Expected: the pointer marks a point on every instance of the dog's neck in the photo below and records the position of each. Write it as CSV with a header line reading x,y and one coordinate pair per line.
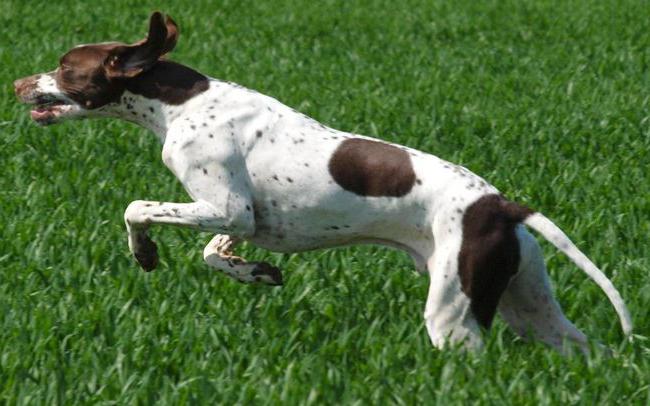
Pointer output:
x,y
159,96
151,114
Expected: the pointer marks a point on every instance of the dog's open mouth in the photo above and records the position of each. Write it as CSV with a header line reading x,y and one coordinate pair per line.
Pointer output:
x,y
47,110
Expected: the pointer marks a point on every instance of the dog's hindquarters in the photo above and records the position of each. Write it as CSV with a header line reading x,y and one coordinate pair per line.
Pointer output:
x,y
470,269
493,264
528,304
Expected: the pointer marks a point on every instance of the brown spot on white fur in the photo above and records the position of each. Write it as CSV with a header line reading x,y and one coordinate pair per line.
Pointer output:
x,y
489,254
371,168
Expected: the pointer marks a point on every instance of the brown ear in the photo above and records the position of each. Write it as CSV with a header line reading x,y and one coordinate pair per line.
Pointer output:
x,y
172,35
127,61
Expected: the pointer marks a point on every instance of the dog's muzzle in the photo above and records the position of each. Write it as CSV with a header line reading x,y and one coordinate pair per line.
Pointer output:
x,y
25,88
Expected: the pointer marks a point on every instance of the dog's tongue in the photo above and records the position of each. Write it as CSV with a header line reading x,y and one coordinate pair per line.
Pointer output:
x,y
40,115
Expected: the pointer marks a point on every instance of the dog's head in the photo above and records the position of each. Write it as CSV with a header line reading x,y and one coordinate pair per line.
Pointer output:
x,y
91,76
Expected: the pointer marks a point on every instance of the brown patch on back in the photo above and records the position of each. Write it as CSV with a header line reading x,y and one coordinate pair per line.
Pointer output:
x,y
371,168
489,254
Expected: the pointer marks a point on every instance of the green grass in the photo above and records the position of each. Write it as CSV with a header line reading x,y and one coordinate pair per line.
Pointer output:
x,y
547,100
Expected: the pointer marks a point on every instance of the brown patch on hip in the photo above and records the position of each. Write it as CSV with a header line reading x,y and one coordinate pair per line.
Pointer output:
x,y
371,168
489,255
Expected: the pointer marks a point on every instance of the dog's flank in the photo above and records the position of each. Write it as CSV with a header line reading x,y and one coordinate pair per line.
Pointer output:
x,y
259,171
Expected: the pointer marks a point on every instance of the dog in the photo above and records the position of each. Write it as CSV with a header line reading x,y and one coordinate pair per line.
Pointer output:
x,y
262,172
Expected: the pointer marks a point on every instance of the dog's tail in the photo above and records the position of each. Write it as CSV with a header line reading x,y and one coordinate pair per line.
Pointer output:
x,y
555,236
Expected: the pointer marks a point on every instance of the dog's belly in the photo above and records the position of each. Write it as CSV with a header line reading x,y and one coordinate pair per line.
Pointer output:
x,y
297,243
324,220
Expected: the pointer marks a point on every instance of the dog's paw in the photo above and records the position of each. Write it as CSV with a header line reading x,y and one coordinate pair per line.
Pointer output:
x,y
241,270
146,253
267,273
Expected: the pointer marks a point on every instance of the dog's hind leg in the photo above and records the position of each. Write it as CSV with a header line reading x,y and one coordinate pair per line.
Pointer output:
x,y
447,315
528,304
218,254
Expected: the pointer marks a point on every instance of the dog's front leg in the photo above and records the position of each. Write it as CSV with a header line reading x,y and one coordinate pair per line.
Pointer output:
x,y
208,163
201,215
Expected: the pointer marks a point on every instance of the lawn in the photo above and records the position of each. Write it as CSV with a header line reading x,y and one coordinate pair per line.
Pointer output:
x,y
547,100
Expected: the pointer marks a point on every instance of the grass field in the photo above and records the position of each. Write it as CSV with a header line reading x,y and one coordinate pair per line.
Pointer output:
x,y
547,100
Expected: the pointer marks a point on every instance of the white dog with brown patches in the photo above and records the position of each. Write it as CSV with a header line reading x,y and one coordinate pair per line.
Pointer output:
x,y
261,172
